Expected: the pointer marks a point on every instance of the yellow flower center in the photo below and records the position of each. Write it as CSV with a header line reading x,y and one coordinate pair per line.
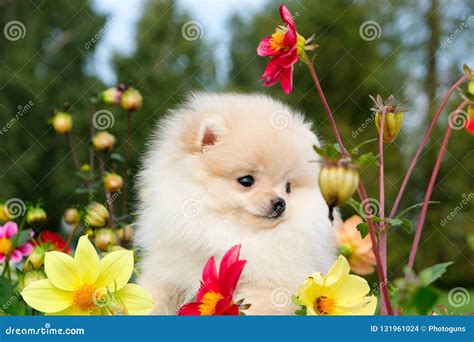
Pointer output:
x,y
276,41
5,246
83,298
209,302
324,305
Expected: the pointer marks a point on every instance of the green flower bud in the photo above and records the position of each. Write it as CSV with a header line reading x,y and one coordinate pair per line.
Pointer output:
x,y
35,260
338,181
131,100
111,96
71,216
97,215
393,117
103,141
62,122
104,238
35,216
113,182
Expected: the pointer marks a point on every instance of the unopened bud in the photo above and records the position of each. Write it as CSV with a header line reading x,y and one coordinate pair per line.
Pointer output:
x,y
104,238
113,182
103,141
111,96
97,215
62,122
35,216
131,100
71,216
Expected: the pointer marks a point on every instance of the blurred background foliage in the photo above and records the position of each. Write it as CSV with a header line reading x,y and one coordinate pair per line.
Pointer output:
x,y
49,68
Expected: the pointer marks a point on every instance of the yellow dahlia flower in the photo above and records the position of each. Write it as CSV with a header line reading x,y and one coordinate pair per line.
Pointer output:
x,y
86,285
336,293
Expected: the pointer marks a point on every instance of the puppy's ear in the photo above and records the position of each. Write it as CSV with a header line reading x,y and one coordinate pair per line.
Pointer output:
x,y
212,129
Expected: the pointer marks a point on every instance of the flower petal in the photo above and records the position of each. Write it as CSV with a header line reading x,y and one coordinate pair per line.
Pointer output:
x,y
88,260
350,290
308,292
366,307
70,311
26,249
190,309
115,270
229,258
62,270
43,296
10,229
287,17
232,276
264,49
136,299
338,270
16,256
286,80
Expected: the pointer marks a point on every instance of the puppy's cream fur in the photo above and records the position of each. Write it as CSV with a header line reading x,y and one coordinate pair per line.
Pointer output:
x,y
192,207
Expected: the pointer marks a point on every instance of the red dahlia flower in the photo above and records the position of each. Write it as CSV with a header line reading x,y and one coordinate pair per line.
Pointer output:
x,y
470,119
215,296
285,46
57,243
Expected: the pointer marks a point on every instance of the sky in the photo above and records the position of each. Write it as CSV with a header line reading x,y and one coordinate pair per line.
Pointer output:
x,y
120,30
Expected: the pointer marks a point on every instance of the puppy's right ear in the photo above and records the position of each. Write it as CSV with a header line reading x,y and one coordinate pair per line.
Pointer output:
x,y
211,130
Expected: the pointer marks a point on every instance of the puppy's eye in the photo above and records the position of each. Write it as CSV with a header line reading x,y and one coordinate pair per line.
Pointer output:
x,y
246,181
288,187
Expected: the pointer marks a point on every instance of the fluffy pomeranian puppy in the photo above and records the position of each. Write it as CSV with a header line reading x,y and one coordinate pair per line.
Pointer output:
x,y
227,169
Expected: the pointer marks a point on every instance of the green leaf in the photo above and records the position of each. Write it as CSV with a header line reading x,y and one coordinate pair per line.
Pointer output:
x,y
328,152
430,274
407,225
22,237
356,206
424,299
363,229
301,312
117,157
10,299
415,206
367,159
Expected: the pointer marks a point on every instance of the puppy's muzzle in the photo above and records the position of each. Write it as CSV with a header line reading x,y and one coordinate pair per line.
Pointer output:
x,y
278,207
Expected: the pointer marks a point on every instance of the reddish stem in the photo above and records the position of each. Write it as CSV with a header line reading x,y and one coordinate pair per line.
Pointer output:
x,y
382,226
429,190
362,193
77,164
422,145
326,108
126,163
108,196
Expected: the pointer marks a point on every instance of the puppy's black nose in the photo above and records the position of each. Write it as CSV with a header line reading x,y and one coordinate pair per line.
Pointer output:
x,y
279,206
